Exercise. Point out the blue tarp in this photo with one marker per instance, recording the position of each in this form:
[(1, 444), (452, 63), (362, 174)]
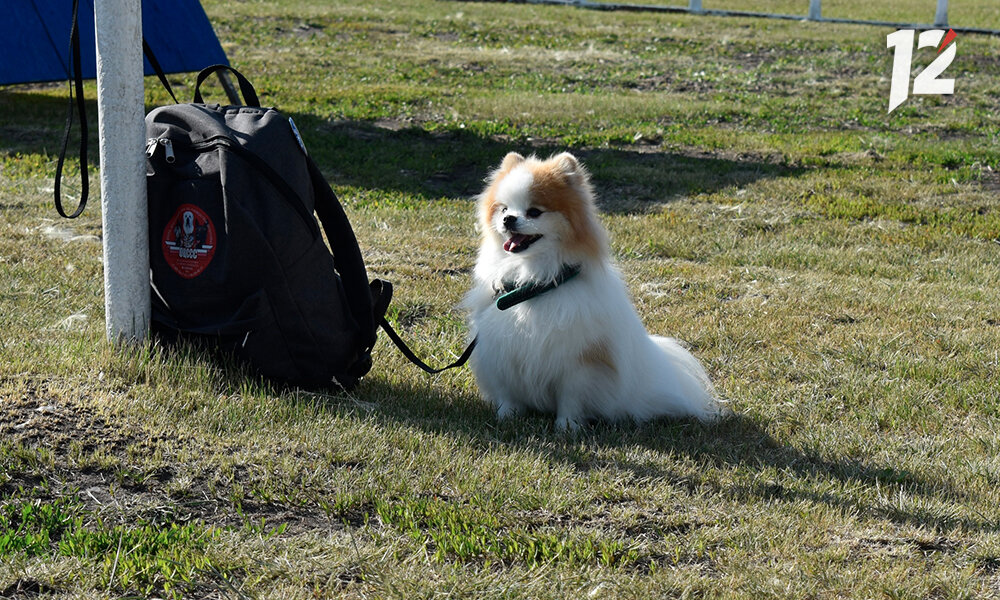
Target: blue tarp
[(34, 38)]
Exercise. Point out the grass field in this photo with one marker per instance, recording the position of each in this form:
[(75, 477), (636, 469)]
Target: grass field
[(835, 267)]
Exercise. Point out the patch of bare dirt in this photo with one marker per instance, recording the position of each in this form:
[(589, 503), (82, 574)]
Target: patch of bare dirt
[(64, 436), (26, 588)]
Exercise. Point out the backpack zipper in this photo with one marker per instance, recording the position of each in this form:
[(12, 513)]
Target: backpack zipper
[(168, 148), (168, 145)]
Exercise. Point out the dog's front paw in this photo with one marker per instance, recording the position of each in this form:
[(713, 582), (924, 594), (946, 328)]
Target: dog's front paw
[(507, 410), (566, 424)]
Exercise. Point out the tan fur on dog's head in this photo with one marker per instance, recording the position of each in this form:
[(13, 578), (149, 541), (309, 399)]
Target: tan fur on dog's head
[(558, 184)]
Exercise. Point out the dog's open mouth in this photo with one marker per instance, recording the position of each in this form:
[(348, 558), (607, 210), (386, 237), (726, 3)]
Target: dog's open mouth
[(518, 242)]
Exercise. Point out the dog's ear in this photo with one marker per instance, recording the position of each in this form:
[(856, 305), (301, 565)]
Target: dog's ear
[(570, 167), (510, 161)]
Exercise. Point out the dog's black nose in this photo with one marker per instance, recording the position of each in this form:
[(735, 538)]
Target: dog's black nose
[(510, 222)]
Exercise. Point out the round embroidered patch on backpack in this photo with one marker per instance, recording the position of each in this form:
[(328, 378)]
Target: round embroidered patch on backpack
[(189, 241)]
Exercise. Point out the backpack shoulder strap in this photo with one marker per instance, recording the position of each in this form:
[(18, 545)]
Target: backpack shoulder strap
[(368, 302), (346, 255), (147, 51)]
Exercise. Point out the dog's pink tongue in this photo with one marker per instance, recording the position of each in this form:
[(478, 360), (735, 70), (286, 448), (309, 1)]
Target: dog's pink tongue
[(513, 242)]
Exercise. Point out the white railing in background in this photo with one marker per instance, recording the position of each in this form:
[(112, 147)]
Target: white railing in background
[(815, 13)]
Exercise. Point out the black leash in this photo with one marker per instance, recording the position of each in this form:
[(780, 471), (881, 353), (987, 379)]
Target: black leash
[(413, 357), (78, 105), (381, 296), (76, 81)]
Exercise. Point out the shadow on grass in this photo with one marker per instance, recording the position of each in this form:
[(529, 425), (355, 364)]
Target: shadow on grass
[(738, 443), (417, 164), (31, 122), (453, 163)]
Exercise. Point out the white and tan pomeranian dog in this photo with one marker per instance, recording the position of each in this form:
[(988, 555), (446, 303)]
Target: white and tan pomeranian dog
[(556, 329)]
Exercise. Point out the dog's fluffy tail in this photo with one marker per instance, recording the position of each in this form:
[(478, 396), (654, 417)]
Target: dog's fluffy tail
[(691, 387)]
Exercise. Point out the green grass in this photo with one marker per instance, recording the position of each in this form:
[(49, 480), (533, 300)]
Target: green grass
[(142, 559), (834, 266)]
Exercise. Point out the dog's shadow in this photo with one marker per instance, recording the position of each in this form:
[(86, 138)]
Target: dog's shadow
[(736, 457)]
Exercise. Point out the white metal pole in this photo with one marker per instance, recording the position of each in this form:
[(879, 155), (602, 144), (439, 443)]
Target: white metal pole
[(941, 18), (118, 26), (815, 12)]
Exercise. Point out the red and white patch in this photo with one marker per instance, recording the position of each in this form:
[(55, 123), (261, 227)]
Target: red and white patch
[(189, 241)]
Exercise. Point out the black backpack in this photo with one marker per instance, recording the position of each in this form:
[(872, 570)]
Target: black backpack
[(236, 256), (237, 259)]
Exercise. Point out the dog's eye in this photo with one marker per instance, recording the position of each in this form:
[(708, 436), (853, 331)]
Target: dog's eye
[(503, 208), (534, 212)]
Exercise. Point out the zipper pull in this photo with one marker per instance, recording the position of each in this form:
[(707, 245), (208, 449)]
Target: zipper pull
[(168, 148), (151, 147)]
